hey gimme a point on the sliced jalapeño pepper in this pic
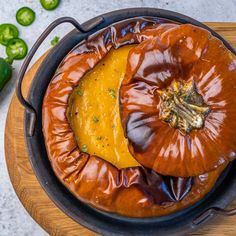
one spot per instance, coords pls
(16, 49)
(25, 16)
(49, 4)
(8, 32)
(5, 72)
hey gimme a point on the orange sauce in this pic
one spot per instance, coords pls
(94, 111)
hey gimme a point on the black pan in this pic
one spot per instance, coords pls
(178, 223)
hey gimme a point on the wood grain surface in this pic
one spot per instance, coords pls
(33, 197)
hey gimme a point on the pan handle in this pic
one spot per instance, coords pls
(212, 211)
(30, 55)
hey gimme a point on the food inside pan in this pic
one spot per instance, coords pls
(138, 119)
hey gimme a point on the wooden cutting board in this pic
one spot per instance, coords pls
(33, 197)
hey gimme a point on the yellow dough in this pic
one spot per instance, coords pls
(94, 111)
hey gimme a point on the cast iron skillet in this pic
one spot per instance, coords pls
(178, 223)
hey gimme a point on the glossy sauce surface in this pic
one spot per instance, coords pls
(94, 111)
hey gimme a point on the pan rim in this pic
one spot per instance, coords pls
(131, 13)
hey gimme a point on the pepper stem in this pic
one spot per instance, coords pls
(9, 60)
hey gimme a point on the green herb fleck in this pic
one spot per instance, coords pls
(99, 138)
(113, 126)
(95, 119)
(112, 93)
(80, 93)
(55, 41)
(84, 148)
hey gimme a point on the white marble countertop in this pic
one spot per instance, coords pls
(14, 220)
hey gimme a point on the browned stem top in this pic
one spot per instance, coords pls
(182, 106)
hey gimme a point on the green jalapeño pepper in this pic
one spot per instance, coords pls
(49, 4)
(16, 49)
(8, 32)
(25, 16)
(5, 72)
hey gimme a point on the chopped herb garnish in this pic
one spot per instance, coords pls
(80, 93)
(84, 148)
(55, 41)
(99, 138)
(112, 93)
(113, 126)
(95, 119)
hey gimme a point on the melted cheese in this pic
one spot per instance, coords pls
(94, 111)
